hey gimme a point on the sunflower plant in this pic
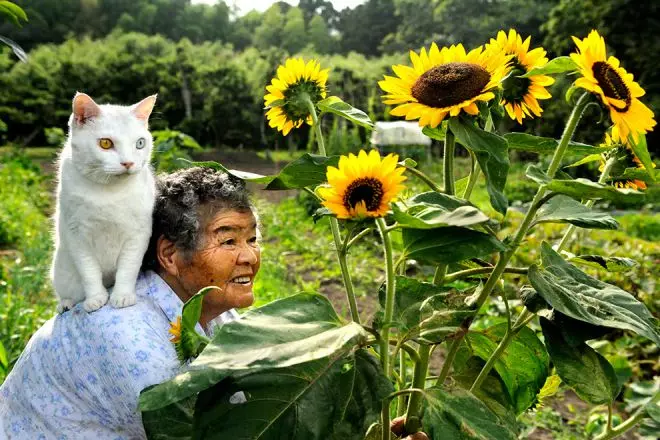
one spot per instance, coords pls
(304, 372)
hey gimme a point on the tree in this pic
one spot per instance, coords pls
(269, 32)
(293, 34)
(318, 35)
(417, 26)
(363, 28)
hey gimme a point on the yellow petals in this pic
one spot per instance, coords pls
(363, 185)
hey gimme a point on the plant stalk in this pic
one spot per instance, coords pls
(588, 203)
(506, 256)
(448, 162)
(413, 421)
(389, 295)
(631, 422)
(334, 227)
(449, 360)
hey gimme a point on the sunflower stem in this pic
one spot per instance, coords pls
(334, 226)
(387, 320)
(604, 175)
(413, 421)
(389, 294)
(448, 162)
(526, 223)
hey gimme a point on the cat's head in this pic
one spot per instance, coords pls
(110, 141)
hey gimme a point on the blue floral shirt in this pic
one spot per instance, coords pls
(81, 374)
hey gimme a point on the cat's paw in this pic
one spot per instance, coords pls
(64, 305)
(95, 302)
(122, 299)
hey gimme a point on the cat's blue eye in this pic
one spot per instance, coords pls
(140, 143)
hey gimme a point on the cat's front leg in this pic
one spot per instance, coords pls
(89, 270)
(128, 266)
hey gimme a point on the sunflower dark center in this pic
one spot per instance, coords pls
(612, 84)
(295, 104)
(450, 84)
(364, 189)
(516, 88)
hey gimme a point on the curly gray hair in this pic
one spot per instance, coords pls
(184, 202)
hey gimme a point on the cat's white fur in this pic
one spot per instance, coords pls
(104, 204)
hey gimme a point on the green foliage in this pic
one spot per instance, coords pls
(170, 146)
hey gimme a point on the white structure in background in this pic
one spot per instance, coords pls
(400, 133)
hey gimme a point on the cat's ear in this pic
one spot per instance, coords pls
(143, 109)
(84, 108)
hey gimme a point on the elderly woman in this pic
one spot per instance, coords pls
(81, 374)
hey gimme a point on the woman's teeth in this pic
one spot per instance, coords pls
(241, 280)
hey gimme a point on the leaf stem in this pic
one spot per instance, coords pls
(482, 270)
(413, 421)
(506, 256)
(504, 343)
(357, 237)
(448, 162)
(605, 174)
(449, 360)
(631, 422)
(334, 226)
(474, 176)
(424, 178)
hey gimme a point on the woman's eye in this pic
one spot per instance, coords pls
(105, 143)
(229, 242)
(140, 143)
(252, 240)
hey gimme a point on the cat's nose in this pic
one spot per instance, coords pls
(127, 165)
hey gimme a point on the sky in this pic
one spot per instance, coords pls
(246, 6)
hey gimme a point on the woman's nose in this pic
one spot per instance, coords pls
(248, 254)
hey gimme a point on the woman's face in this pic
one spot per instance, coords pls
(229, 258)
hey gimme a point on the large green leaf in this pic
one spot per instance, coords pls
(426, 312)
(493, 157)
(307, 170)
(291, 331)
(448, 245)
(610, 264)
(586, 189)
(523, 367)
(642, 152)
(174, 422)
(576, 294)
(334, 104)
(456, 414)
(563, 209)
(492, 391)
(13, 12)
(556, 65)
(433, 210)
(335, 397)
(438, 133)
(640, 174)
(581, 367)
(545, 145)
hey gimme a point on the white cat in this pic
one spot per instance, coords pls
(105, 198)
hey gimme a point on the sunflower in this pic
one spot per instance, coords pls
(615, 87)
(627, 159)
(363, 185)
(520, 96)
(288, 93)
(175, 330)
(443, 82)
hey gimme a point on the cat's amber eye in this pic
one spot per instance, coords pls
(105, 143)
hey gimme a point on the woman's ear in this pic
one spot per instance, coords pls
(167, 255)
